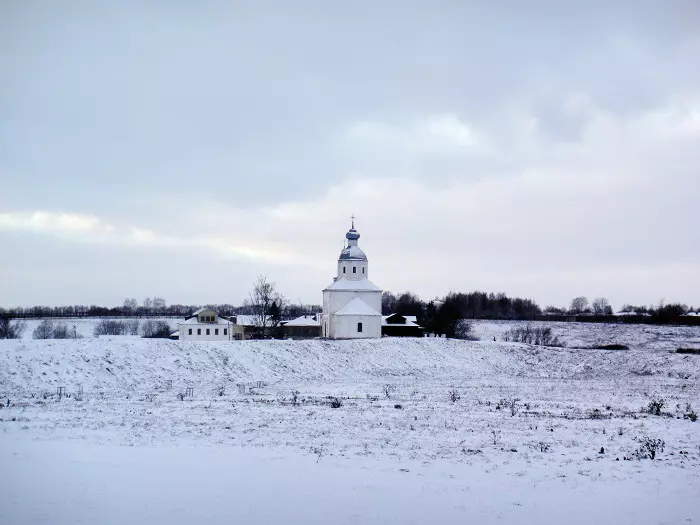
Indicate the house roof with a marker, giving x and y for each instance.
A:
(194, 320)
(304, 320)
(357, 307)
(205, 309)
(411, 320)
(364, 285)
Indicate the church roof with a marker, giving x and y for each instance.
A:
(357, 307)
(352, 253)
(363, 285)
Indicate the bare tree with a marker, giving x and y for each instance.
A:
(148, 305)
(11, 330)
(159, 305)
(601, 306)
(579, 305)
(130, 306)
(260, 303)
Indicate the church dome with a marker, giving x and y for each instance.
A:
(352, 235)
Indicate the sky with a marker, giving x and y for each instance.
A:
(543, 149)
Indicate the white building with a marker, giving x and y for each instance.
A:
(352, 304)
(204, 325)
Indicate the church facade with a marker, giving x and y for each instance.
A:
(352, 303)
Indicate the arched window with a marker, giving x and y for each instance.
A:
(343, 269)
(359, 327)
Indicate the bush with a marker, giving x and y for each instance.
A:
(153, 329)
(655, 406)
(109, 327)
(690, 413)
(132, 326)
(336, 403)
(48, 330)
(540, 336)
(614, 346)
(11, 330)
(649, 447)
(464, 330)
(388, 389)
(44, 330)
(454, 395)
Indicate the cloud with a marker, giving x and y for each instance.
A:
(90, 229)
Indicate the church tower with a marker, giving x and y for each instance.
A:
(352, 303)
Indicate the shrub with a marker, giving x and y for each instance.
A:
(131, 326)
(690, 413)
(649, 447)
(655, 406)
(44, 330)
(109, 327)
(295, 397)
(336, 403)
(154, 329)
(464, 330)
(398, 406)
(510, 403)
(388, 389)
(454, 395)
(10, 329)
(540, 336)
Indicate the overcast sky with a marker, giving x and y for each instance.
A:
(542, 149)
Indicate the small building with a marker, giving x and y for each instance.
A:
(245, 327)
(303, 327)
(397, 325)
(204, 325)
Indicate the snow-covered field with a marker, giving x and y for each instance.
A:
(534, 434)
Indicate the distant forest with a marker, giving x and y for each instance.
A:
(440, 315)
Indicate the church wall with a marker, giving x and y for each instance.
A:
(360, 266)
(346, 326)
(340, 298)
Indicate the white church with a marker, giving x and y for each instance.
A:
(352, 304)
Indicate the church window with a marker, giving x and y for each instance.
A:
(344, 269)
(354, 269)
(207, 331)
(225, 331)
(363, 269)
(359, 327)
(190, 331)
(216, 331)
(199, 331)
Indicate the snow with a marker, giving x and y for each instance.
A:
(194, 320)
(353, 285)
(304, 320)
(130, 450)
(357, 307)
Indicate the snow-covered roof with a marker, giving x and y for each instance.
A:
(632, 313)
(357, 307)
(304, 320)
(352, 253)
(194, 320)
(204, 309)
(352, 285)
(692, 314)
(411, 320)
(245, 320)
(176, 333)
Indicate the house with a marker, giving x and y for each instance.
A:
(204, 325)
(352, 303)
(303, 327)
(397, 325)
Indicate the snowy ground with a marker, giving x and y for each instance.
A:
(129, 450)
